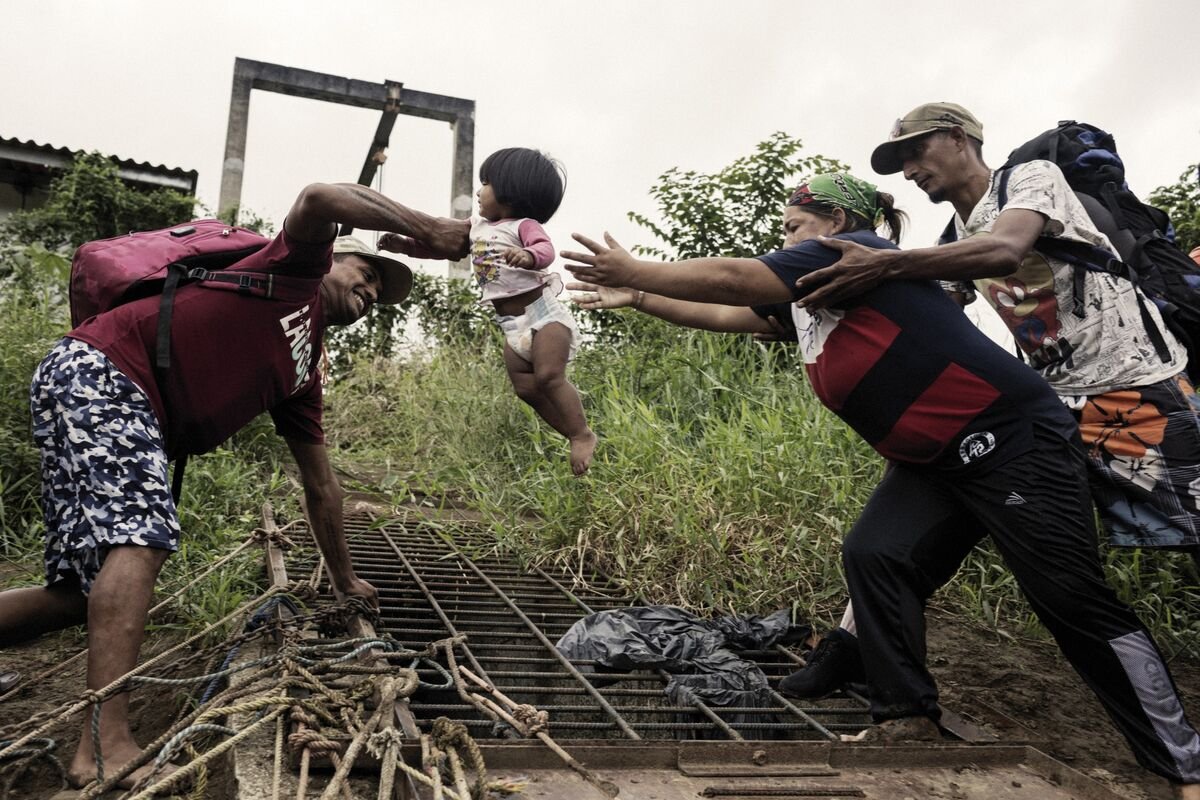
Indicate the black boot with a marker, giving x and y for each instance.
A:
(834, 662)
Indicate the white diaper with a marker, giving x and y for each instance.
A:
(519, 330)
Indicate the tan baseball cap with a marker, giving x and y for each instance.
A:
(920, 121)
(395, 277)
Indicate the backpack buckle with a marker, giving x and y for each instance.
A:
(245, 283)
(197, 274)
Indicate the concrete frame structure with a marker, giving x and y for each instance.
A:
(389, 97)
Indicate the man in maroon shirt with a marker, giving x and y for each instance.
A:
(107, 424)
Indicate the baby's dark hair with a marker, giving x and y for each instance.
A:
(527, 181)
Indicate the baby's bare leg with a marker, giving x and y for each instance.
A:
(520, 372)
(551, 349)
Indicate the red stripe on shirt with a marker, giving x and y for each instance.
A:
(850, 351)
(938, 416)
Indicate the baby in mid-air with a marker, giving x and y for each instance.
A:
(510, 252)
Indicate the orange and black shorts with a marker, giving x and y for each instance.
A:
(1143, 447)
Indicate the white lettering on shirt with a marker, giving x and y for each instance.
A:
(297, 328)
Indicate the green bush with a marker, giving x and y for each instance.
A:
(89, 201)
(32, 317)
(734, 211)
(1181, 200)
(446, 311)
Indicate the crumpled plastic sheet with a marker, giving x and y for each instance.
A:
(698, 653)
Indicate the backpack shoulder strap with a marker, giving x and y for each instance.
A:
(177, 478)
(258, 284)
(950, 234)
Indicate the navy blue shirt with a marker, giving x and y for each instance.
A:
(906, 369)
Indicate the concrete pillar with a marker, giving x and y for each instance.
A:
(462, 174)
(235, 142)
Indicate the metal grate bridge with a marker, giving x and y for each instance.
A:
(437, 581)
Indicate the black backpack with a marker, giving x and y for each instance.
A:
(1145, 255)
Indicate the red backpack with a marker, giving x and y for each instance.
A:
(110, 272)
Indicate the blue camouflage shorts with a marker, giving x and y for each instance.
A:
(104, 469)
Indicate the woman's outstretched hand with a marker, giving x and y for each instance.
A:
(595, 297)
(610, 265)
(778, 333)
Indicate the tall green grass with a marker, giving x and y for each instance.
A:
(719, 480)
(33, 317)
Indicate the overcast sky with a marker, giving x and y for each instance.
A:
(618, 90)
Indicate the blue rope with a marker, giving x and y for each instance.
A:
(257, 620)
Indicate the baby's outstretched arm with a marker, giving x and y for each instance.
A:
(398, 243)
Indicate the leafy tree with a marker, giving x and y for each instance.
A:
(1181, 201)
(734, 211)
(90, 201)
(246, 218)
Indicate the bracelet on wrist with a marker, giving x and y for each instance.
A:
(639, 298)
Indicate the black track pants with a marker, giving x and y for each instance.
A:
(915, 531)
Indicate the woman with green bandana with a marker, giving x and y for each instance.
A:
(978, 445)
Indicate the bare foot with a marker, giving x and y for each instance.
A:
(83, 767)
(582, 449)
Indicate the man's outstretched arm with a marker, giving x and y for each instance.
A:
(862, 268)
(322, 206)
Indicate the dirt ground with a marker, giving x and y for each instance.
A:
(1031, 683)
(981, 674)
(152, 710)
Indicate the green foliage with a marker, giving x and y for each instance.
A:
(444, 310)
(248, 219)
(32, 317)
(734, 211)
(449, 310)
(89, 201)
(1181, 200)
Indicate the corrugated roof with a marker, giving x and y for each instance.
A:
(30, 153)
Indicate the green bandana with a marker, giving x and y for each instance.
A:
(843, 190)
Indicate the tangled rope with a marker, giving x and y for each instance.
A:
(275, 536)
(451, 738)
(24, 758)
(323, 690)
